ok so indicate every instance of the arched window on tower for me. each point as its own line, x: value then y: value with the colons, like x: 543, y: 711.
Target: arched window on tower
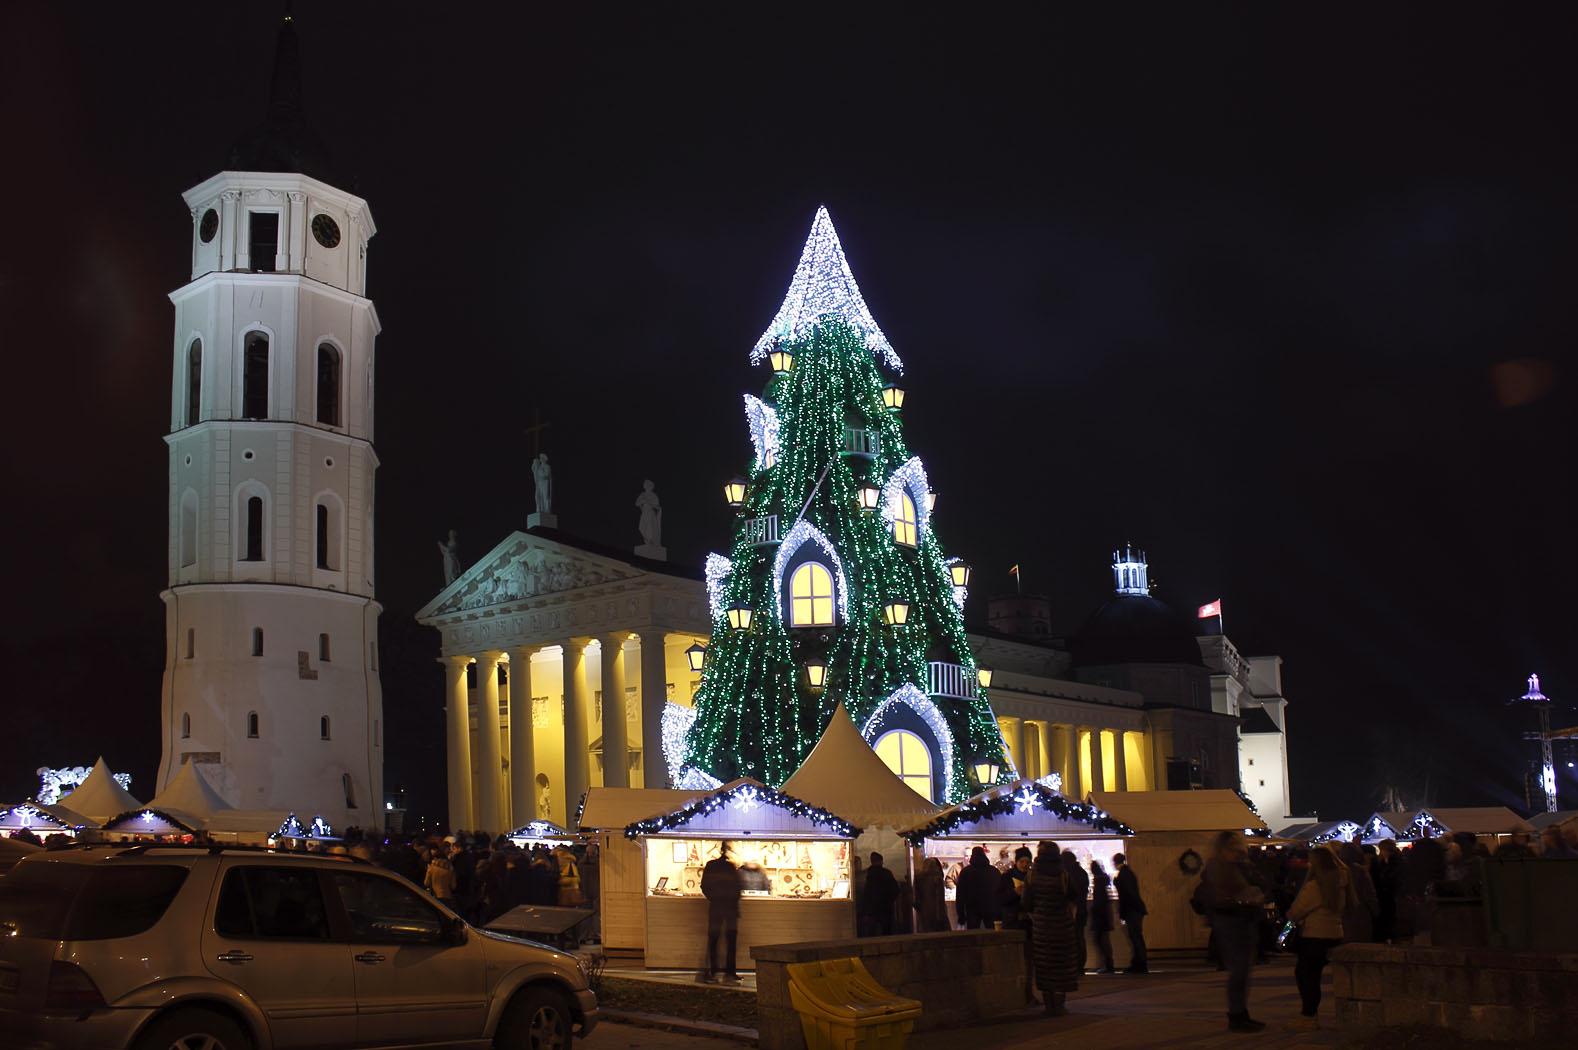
x: 906, y: 754
x: 194, y: 382
x: 811, y: 596
x: 323, y: 728
x: 905, y: 521
x: 254, y: 376
x: 327, y: 533
x: 257, y: 641
x: 252, y: 546
x: 186, y: 726
x: 350, y: 790
x: 252, y: 724
x: 328, y: 384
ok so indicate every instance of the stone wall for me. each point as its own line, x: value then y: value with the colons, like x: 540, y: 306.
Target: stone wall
x: 959, y: 977
x: 1480, y: 993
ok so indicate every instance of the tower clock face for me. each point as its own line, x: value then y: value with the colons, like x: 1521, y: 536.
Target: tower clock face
x: 209, y: 225
x: 326, y: 231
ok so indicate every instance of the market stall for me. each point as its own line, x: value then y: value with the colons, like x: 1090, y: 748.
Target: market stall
x: 184, y: 809
x: 1173, y: 836
x: 1490, y: 824
x: 1007, y: 816
x: 540, y: 833
x: 38, y: 820
x: 794, y: 861
x: 100, y: 798
x: 621, y: 896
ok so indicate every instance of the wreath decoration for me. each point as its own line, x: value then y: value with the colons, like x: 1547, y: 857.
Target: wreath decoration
x: 1189, y: 862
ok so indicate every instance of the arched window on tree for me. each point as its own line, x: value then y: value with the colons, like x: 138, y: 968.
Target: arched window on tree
x: 254, y: 376
x: 252, y: 546
x: 905, y: 521
x: 328, y: 384
x: 194, y: 381
x: 811, y: 596
x: 906, y: 754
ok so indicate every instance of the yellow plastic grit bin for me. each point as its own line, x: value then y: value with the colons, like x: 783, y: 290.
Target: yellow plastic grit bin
x: 842, y: 1007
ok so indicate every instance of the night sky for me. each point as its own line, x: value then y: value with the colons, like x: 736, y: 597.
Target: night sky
x: 1287, y: 301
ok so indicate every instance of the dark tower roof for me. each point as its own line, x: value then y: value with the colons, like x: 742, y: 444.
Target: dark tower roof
x: 1136, y: 629
x: 284, y: 141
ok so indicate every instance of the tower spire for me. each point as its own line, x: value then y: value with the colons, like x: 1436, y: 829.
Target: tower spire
x: 822, y: 287
x: 284, y: 141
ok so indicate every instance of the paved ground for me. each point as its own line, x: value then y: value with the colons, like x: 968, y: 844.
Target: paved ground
x: 1178, y: 1007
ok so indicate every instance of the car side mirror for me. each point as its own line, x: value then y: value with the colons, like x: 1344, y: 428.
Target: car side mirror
x: 455, y: 932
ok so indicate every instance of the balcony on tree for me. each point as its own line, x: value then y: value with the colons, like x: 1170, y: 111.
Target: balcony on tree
x: 861, y: 441
x: 946, y: 679
x: 763, y: 531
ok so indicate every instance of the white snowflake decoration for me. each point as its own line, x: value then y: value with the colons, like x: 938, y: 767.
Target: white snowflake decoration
x: 762, y: 419
x: 1026, y: 800
x: 911, y: 477
x: 746, y: 799
x: 717, y: 571
x: 923, y: 706
x: 823, y: 287
x: 803, y: 530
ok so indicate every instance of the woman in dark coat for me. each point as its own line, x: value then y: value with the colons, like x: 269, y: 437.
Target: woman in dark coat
x: 1046, y: 898
x: 930, y: 908
x: 1101, y: 914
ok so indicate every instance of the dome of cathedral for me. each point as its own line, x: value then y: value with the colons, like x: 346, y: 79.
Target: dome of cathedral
x: 1136, y: 628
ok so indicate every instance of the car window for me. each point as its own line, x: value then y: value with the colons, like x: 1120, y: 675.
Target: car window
x: 264, y: 902
x: 76, y: 902
x: 382, y: 911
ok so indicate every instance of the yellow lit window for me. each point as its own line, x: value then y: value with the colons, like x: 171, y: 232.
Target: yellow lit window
x: 904, y: 520
x: 906, y: 754
x: 811, y: 596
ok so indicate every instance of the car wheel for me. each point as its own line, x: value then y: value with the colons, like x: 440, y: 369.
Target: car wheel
x: 538, y: 1019
x: 193, y: 1029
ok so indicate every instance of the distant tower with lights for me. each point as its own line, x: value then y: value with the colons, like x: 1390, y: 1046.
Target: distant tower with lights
x: 1130, y: 574
x: 271, y: 668
x: 1542, y: 707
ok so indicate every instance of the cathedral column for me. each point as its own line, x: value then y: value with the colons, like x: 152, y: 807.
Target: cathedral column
x: 1013, y: 731
x: 577, y: 778
x: 654, y: 695
x: 523, y: 754
x: 616, y: 748
x: 490, y: 816
x: 1120, y: 761
x: 457, y: 724
x: 1045, y: 734
x: 1097, y: 780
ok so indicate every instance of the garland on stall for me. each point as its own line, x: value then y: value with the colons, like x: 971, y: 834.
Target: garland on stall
x: 1025, y: 797
x: 745, y: 794
x: 1261, y: 832
x: 147, y: 814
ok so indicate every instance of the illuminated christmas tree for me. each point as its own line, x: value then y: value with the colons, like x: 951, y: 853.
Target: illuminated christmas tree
x: 836, y: 588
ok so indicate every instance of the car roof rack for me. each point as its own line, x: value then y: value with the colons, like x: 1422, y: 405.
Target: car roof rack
x: 214, y: 849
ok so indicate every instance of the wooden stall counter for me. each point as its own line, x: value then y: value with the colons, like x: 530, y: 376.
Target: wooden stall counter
x: 676, y: 930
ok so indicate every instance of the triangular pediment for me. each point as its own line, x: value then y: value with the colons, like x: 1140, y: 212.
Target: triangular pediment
x: 522, y: 567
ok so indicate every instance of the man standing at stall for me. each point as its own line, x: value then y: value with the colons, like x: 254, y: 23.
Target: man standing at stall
x: 1132, y: 912
x: 720, y: 884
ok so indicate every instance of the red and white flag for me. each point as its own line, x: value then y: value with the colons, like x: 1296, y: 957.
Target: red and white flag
x: 1210, y: 609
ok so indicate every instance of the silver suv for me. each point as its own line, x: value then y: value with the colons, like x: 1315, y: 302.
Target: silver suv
x: 180, y: 948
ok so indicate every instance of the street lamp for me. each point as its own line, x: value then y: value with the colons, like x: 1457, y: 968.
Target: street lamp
x: 696, y: 656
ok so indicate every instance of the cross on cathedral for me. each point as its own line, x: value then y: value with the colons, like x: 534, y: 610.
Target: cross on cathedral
x: 534, y: 432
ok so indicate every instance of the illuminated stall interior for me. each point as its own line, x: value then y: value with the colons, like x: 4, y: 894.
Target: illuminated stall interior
x: 794, y: 861
x: 540, y: 833
x: 30, y: 818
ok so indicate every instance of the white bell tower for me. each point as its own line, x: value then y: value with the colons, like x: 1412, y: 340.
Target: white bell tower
x: 271, y: 664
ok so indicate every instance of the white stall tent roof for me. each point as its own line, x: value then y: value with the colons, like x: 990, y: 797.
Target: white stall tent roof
x: 189, y: 792
x: 99, y: 798
x: 1216, y: 809
x: 1477, y: 820
x: 844, y: 776
x: 608, y: 808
